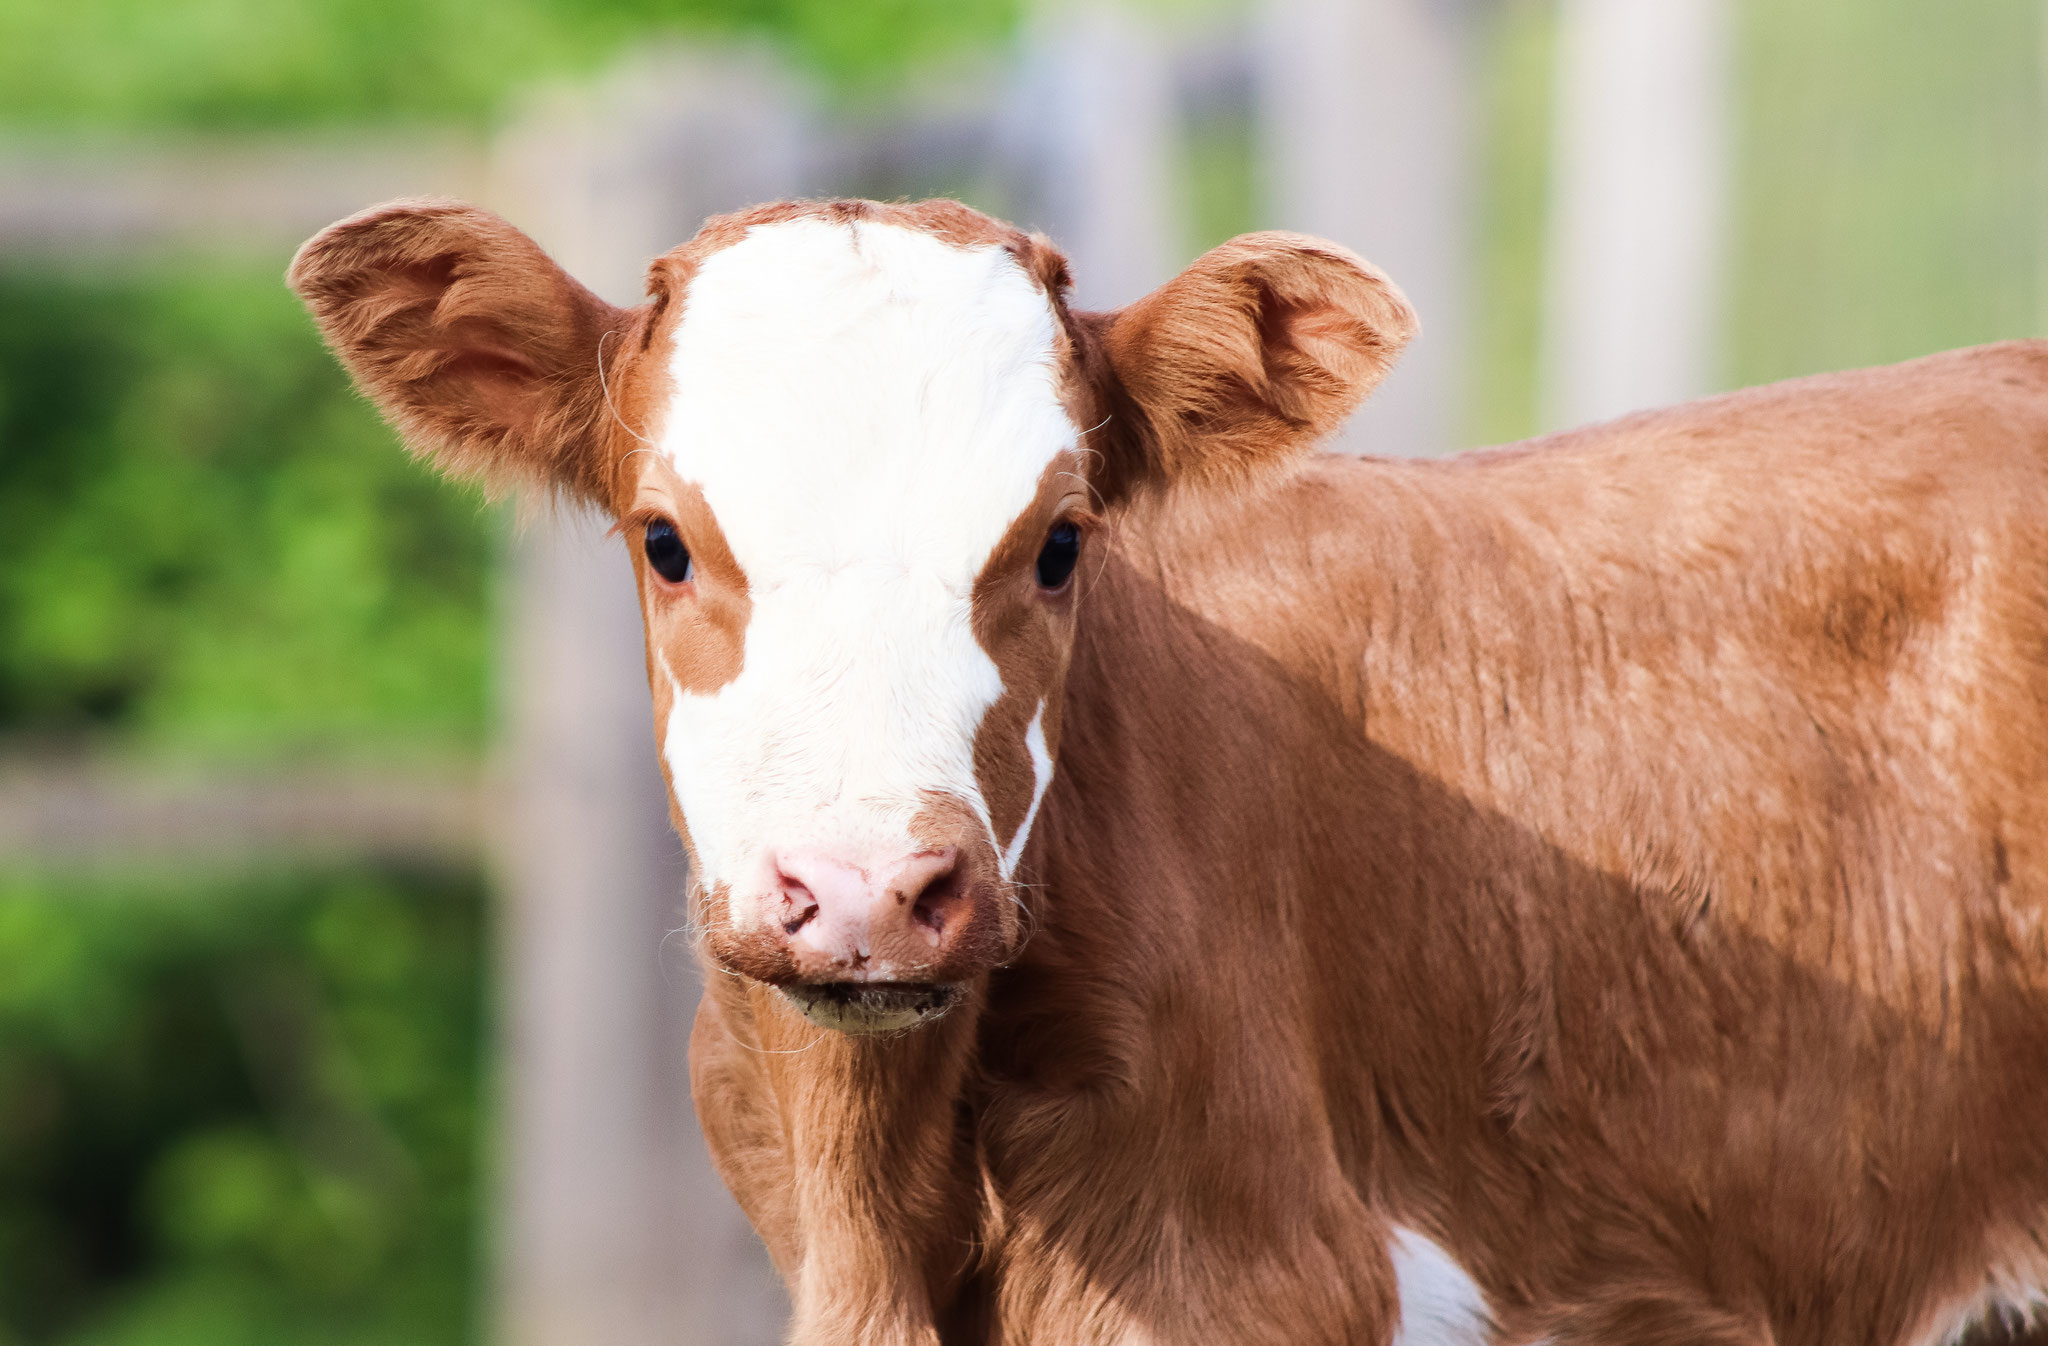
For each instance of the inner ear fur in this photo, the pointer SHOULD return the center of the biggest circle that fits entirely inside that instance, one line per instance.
(1257, 350)
(471, 340)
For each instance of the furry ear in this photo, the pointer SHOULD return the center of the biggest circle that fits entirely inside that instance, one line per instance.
(474, 344)
(1261, 347)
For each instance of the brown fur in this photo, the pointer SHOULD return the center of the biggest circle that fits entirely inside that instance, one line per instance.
(1622, 858)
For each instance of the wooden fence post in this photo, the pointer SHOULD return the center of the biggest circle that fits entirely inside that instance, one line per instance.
(1090, 128)
(1639, 163)
(1365, 137)
(613, 1229)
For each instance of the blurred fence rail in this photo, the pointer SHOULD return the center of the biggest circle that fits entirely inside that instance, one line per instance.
(95, 197)
(72, 815)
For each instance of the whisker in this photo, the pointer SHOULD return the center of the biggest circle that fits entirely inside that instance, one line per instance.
(605, 388)
(783, 1051)
(1103, 512)
(1029, 921)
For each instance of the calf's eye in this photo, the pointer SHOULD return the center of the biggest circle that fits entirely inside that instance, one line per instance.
(666, 552)
(1056, 559)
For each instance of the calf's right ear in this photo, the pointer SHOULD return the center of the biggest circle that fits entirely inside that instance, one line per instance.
(481, 351)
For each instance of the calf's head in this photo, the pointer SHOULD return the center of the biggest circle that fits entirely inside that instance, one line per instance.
(860, 454)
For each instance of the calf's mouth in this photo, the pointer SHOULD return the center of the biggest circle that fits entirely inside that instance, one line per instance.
(871, 1006)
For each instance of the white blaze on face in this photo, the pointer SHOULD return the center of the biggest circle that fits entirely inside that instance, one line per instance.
(866, 409)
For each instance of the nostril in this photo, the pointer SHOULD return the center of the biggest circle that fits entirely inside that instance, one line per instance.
(935, 901)
(798, 906)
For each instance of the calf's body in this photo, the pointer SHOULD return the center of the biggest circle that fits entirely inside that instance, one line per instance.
(1619, 860)
(1160, 887)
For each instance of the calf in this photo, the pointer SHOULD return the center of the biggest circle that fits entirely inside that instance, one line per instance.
(1163, 886)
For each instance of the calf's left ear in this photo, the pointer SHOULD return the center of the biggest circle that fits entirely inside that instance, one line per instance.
(471, 340)
(1256, 351)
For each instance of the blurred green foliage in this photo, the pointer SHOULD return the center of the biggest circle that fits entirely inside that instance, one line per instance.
(269, 63)
(1219, 176)
(1888, 190)
(1517, 47)
(239, 1113)
(1889, 182)
(208, 541)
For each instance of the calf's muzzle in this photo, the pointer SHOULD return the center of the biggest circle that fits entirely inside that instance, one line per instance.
(863, 939)
(872, 919)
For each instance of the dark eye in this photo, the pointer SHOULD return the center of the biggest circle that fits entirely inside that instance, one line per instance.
(1056, 559)
(666, 552)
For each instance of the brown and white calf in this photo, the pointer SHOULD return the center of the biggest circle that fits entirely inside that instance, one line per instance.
(1181, 889)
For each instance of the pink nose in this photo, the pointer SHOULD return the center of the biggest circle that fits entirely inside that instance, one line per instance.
(883, 919)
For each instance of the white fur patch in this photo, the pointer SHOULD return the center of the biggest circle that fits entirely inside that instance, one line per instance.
(1440, 1304)
(1041, 776)
(2003, 1299)
(866, 409)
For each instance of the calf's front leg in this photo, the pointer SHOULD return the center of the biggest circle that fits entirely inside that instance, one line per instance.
(847, 1156)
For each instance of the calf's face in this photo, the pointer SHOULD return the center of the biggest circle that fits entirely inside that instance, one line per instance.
(862, 456)
(859, 518)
